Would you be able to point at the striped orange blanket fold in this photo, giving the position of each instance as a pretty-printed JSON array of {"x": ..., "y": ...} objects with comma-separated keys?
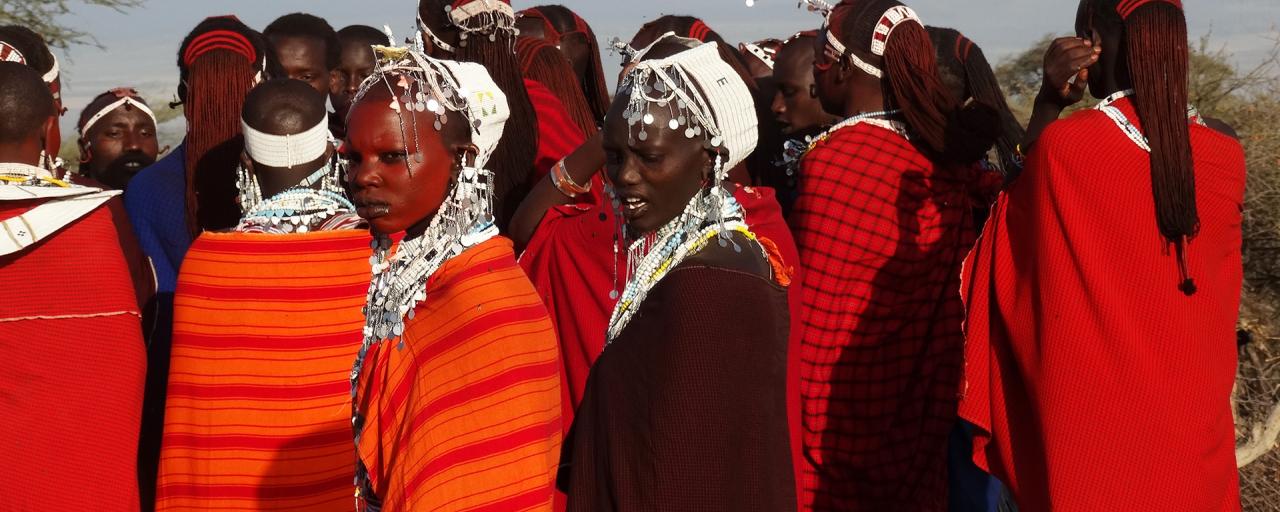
[
  {"x": 258, "y": 415},
  {"x": 466, "y": 416}
]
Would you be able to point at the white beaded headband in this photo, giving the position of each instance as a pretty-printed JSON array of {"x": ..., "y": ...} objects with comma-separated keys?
[
  {"x": 765, "y": 55},
  {"x": 8, "y": 53},
  {"x": 286, "y": 150},
  {"x": 890, "y": 20},
  {"x": 127, "y": 100}
]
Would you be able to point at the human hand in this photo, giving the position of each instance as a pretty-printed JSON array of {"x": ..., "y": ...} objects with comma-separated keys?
[{"x": 1066, "y": 70}]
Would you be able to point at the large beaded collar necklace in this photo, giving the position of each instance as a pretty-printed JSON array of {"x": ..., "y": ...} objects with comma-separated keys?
[
  {"x": 1107, "y": 106},
  {"x": 652, "y": 257},
  {"x": 12, "y": 173},
  {"x": 298, "y": 209}
]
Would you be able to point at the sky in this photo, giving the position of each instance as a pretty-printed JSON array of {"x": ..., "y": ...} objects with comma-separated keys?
[{"x": 140, "y": 46}]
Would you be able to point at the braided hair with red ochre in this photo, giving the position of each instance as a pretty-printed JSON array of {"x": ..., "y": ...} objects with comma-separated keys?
[
  {"x": 217, "y": 61},
  {"x": 543, "y": 63},
  {"x": 949, "y": 132},
  {"x": 1155, "y": 40},
  {"x": 564, "y": 21},
  {"x": 512, "y": 161},
  {"x": 960, "y": 59}
]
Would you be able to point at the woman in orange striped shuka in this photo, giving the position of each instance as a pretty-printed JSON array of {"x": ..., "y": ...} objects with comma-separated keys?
[{"x": 456, "y": 387}]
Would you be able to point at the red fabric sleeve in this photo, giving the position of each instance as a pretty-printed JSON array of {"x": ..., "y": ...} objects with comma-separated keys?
[{"x": 557, "y": 134}]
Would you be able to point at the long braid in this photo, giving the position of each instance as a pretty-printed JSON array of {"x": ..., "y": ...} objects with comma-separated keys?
[
  {"x": 1156, "y": 37},
  {"x": 543, "y": 63},
  {"x": 218, "y": 61},
  {"x": 217, "y": 85},
  {"x": 966, "y": 72},
  {"x": 594, "y": 86},
  {"x": 512, "y": 161}
]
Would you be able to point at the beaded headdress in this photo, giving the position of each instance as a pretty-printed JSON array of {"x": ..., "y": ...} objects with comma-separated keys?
[
  {"x": 889, "y": 20},
  {"x": 473, "y": 18}
]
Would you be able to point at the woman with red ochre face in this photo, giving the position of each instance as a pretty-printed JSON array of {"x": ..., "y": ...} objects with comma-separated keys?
[{"x": 390, "y": 187}]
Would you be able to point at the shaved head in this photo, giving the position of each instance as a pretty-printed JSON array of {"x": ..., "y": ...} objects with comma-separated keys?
[
  {"x": 25, "y": 103},
  {"x": 284, "y": 107}
]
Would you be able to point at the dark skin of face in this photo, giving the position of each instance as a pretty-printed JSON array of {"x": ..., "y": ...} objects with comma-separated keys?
[
  {"x": 391, "y": 189},
  {"x": 119, "y": 146},
  {"x": 654, "y": 178},
  {"x": 842, "y": 88},
  {"x": 795, "y": 106},
  {"x": 356, "y": 64},
  {"x": 303, "y": 59}
]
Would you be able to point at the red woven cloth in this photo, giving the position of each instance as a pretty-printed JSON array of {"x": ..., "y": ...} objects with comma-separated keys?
[
  {"x": 1096, "y": 383},
  {"x": 558, "y": 135},
  {"x": 73, "y": 371},
  {"x": 570, "y": 261},
  {"x": 882, "y": 234}
]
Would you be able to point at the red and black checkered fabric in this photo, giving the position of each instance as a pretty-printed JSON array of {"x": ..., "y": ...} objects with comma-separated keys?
[{"x": 882, "y": 233}]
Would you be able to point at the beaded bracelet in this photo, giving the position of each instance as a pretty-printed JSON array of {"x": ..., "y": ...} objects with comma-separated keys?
[{"x": 564, "y": 183}]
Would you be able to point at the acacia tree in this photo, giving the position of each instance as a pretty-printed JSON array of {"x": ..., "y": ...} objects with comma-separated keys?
[{"x": 42, "y": 16}]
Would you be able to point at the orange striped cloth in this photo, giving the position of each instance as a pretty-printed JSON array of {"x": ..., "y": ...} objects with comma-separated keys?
[
  {"x": 466, "y": 416},
  {"x": 258, "y": 415}
]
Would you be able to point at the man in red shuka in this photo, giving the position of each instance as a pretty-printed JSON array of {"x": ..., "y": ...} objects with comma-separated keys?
[{"x": 1103, "y": 296}]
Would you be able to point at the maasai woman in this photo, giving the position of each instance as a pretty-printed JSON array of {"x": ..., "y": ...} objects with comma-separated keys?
[
  {"x": 483, "y": 31},
  {"x": 685, "y": 408},
  {"x": 883, "y": 221},
  {"x": 1104, "y": 294},
  {"x": 456, "y": 388},
  {"x": 569, "y": 33},
  {"x": 257, "y": 409}
]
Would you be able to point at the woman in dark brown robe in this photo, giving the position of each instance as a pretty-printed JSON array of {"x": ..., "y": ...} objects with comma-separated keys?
[{"x": 685, "y": 409}]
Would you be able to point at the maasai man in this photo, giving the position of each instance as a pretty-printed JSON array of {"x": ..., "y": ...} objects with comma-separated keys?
[
  {"x": 256, "y": 416},
  {"x": 307, "y": 49},
  {"x": 117, "y": 137},
  {"x": 355, "y": 65},
  {"x": 686, "y": 407},
  {"x": 19, "y": 44},
  {"x": 75, "y": 360},
  {"x": 1104, "y": 293},
  {"x": 883, "y": 220},
  {"x": 571, "y": 34},
  {"x": 193, "y": 188},
  {"x": 455, "y": 389},
  {"x": 540, "y": 132},
  {"x": 796, "y": 109},
  {"x": 965, "y": 71},
  {"x": 542, "y": 63}
]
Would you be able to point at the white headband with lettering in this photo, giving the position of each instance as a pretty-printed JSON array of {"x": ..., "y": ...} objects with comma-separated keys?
[
  {"x": 127, "y": 100},
  {"x": 286, "y": 150}
]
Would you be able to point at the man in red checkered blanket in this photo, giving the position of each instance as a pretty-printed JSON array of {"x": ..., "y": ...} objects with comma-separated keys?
[{"x": 883, "y": 221}]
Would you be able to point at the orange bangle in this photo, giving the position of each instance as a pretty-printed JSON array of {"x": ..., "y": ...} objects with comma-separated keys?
[{"x": 565, "y": 184}]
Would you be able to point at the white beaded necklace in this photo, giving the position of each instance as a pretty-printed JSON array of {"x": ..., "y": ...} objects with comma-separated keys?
[
  {"x": 880, "y": 119},
  {"x": 298, "y": 209},
  {"x": 652, "y": 259},
  {"x": 1130, "y": 130}
]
